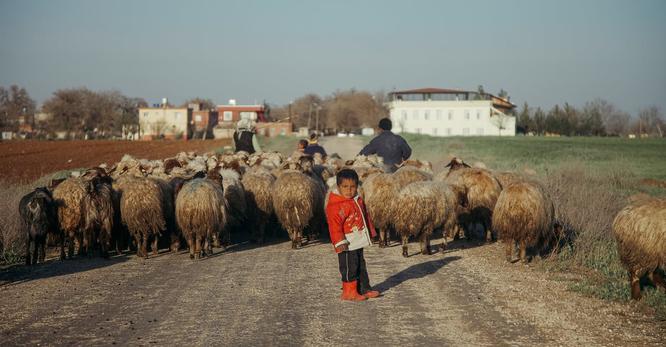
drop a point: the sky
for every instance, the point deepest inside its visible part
(541, 52)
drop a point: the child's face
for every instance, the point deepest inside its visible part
(347, 188)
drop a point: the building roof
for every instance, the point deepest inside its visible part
(430, 91)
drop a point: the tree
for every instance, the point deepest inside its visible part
(591, 120)
(525, 123)
(14, 103)
(539, 121)
(206, 104)
(503, 94)
(651, 121)
(500, 120)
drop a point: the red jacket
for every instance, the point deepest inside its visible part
(343, 214)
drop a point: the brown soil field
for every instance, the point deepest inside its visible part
(26, 161)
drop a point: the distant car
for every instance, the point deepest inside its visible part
(342, 134)
(352, 134)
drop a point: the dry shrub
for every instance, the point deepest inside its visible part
(12, 239)
(586, 201)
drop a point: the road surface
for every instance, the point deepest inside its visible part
(273, 295)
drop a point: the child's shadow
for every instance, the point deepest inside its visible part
(414, 272)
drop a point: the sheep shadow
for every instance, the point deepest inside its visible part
(21, 273)
(414, 272)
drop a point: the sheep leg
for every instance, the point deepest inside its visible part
(70, 246)
(405, 240)
(635, 284)
(175, 242)
(523, 251)
(42, 249)
(154, 245)
(425, 244)
(197, 247)
(445, 244)
(190, 245)
(382, 238)
(62, 247)
(79, 240)
(510, 244)
(216, 240)
(27, 252)
(137, 239)
(144, 246)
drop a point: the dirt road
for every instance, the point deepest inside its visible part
(272, 295)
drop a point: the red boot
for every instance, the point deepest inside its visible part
(371, 294)
(349, 292)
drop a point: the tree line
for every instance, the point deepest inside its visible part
(101, 114)
(596, 118)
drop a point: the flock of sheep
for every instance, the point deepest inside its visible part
(201, 199)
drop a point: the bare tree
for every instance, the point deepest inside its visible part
(15, 102)
(651, 121)
(206, 104)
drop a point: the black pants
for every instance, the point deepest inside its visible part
(352, 268)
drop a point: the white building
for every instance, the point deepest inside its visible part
(450, 112)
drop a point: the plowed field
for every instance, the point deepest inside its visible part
(26, 161)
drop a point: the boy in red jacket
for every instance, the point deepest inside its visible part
(350, 230)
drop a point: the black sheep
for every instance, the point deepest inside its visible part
(38, 218)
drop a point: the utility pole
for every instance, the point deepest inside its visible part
(317, 118)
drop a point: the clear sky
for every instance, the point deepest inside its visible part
(542, 52)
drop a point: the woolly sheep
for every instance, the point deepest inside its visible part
(142, 211)
(68, 197)
(524, 215)
(38, 219)
(201, 212)
(258, 184)
(476, 191)
(640, 232)
(98, 215)
(379, 193)
(421, 208)
(298, 201)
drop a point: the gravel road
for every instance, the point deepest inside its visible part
(272, 295)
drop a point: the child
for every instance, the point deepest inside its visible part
(350, 230)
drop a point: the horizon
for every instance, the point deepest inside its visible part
(540, 53)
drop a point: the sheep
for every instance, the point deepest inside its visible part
(640, 232)
(477, 191)
(409, 174)
(298, 201)
(379, 192)
(38, 216)
(98, 214)
(68, 197)
(258, 183)
(506, 179)
(234, 194)
(419, 164)
(420, 209)
(142, 211)
(168, 195)
(201, 211)
(524, 215)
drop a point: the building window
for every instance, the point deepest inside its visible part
(434, 131)
(176, 115)
(439, 114)
(450, 115)
(404, 115)
(197, 118)
(448, 131)
(283, 132)
(479, 131)
(426, 115)
(465, 131)
(467, 114)
(478, 115)
(145, 115)
(227, 116)
(415, 115)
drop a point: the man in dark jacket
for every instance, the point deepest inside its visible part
(314, 147)
(393, 148)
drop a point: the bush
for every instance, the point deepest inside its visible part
(12, 239)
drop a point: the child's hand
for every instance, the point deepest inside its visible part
(342, 248)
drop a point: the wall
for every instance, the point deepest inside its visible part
(450, 118)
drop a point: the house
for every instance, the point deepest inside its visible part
(230, 114)
(451, 112)
(163, 121)
(203, 121)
